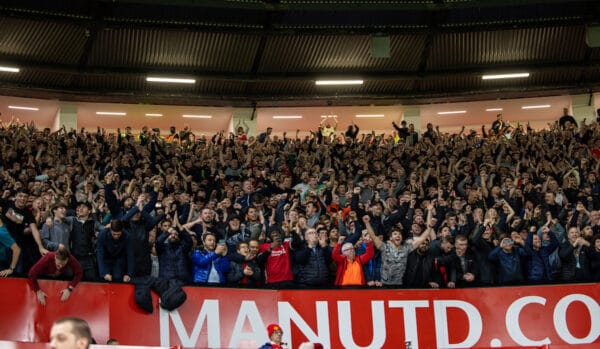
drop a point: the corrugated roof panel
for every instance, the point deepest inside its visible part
(286, 87)
(592, 74)
(328, 53)
(212, 87)
(507, 46)
(41, 40)
(36, 78)
(556, 77)
(448, 84)
(112, 82)
(175, 49)
(388, 86)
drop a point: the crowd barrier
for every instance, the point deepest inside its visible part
(556, 316)
(34, 345)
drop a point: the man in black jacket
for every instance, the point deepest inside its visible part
(313, 260)
(574, 257)
(466, 269)
(420, 268)
(84, 232)
(173, 249)
(244, 270)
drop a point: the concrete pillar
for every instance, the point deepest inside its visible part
(243, 117)
(582, 107)
(412, 115)
(67, 116)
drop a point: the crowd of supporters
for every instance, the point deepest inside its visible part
(331, 209)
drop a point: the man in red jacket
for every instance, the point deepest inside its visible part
(55, 264)
(350, 267)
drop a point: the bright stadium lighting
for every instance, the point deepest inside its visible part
(171, 80)
(505, 76)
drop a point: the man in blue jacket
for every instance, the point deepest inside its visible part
(508, 258)
(211, 264)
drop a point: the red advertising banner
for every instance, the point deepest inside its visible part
(533, 316)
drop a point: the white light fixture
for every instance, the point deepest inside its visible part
(328, 116)
(111, 113)
(505, 76)
(171, 80)
(541, 106)
(9, 69)
(22, 108)
(494, 109)
(338, 82)
(287, 116)
(153, 115)
(369, 115)
(192, 116)
(452, 112)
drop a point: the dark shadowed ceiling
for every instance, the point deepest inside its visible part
(269, 53)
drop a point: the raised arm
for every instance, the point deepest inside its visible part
(376, 239)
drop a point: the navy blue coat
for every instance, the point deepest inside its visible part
(539, 263)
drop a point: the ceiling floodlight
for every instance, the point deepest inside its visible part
(153, 115)
(541, 106)
(197, 116)
(452, 112)
(494, 109)
(505, 76)
(338, 82)
(111, 113)
(9, 69)
(287, 116)
(369, 115)
(22, 108)
(171, 80)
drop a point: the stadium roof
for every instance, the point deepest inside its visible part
(269, 53)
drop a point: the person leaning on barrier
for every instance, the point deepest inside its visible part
(55, 264)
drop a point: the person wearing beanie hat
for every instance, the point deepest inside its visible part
(275, 333)
(235, 232)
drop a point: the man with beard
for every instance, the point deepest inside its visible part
(204, 224)
(23, 228)
(173, 248)
(211, 264)
(394, 254)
